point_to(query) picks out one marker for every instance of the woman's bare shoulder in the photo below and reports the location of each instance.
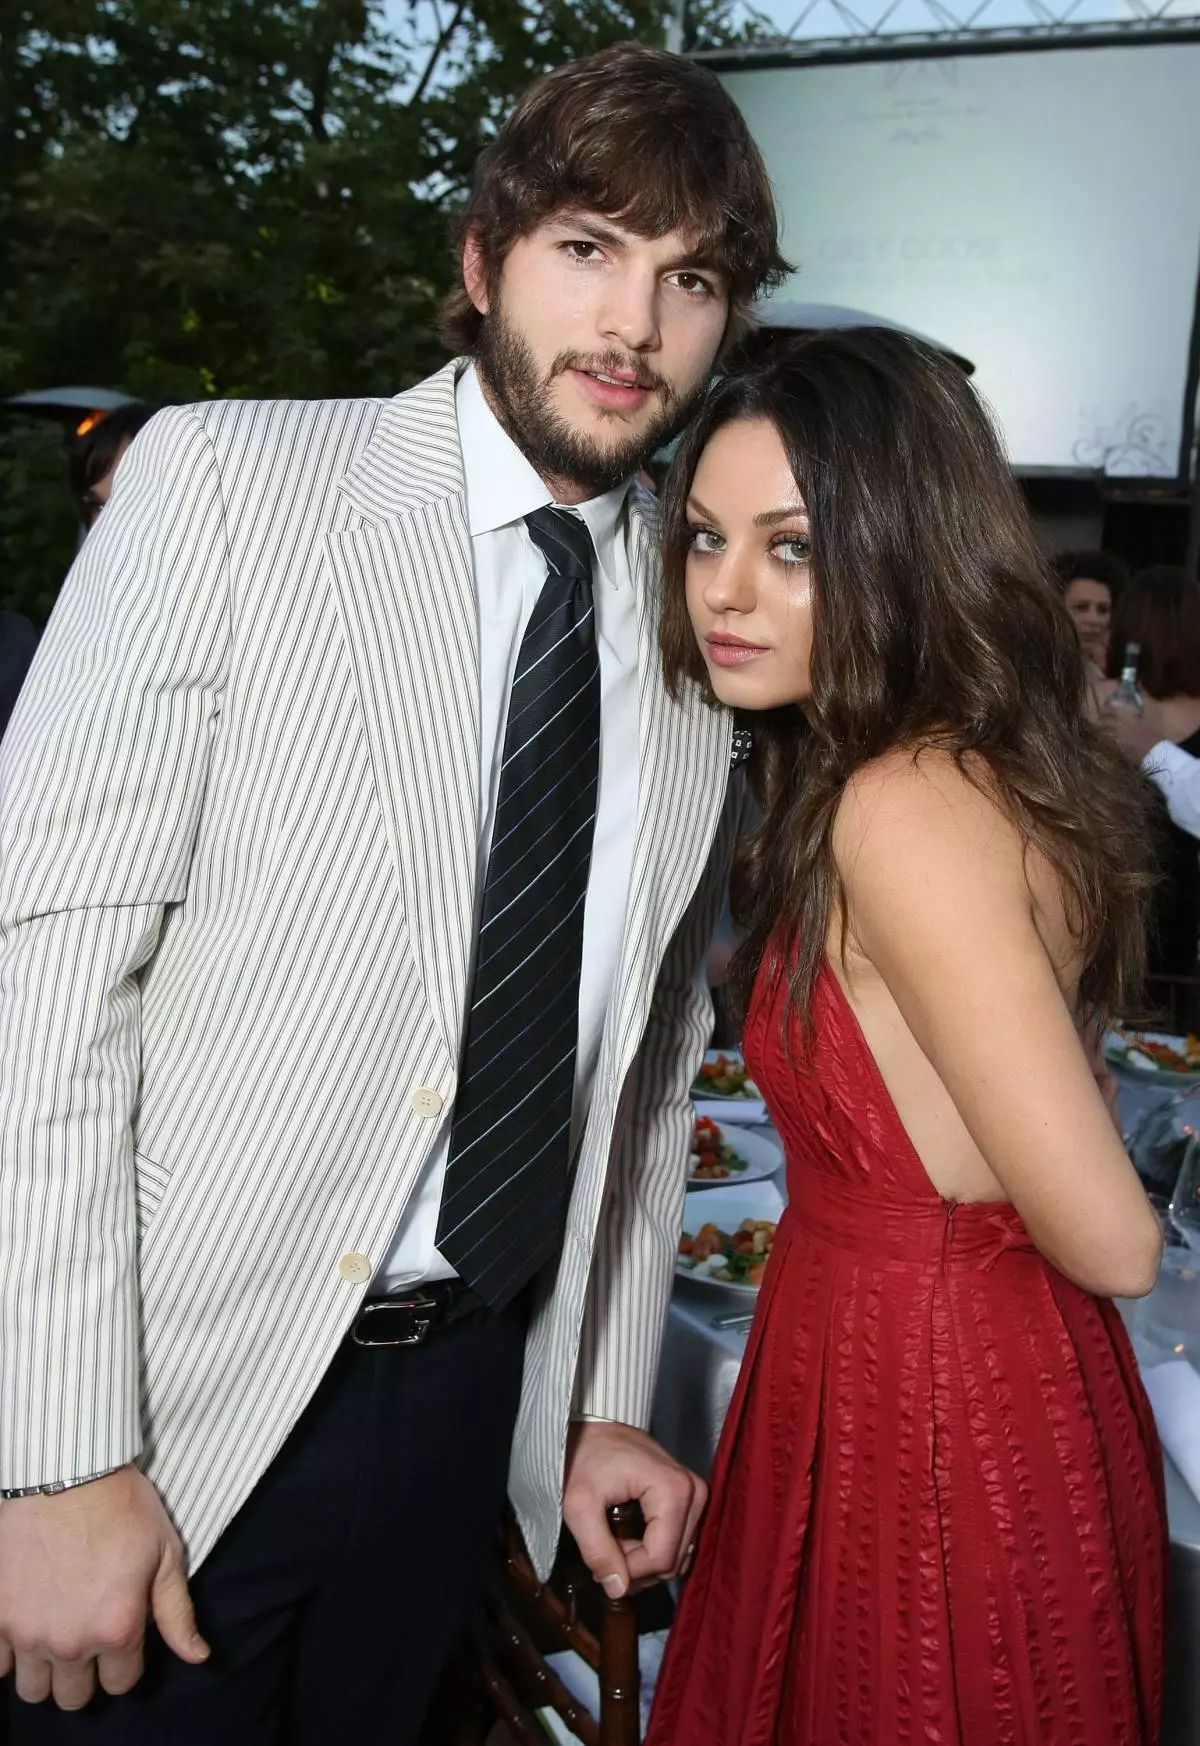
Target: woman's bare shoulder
(923, 801)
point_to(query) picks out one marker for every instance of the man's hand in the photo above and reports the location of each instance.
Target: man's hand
(1135, 734)
(610, 1464)
(79, 1572)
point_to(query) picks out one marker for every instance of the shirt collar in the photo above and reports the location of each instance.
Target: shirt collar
(502, 487)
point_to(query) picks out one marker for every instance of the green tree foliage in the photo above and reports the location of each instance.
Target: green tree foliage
(239, 197)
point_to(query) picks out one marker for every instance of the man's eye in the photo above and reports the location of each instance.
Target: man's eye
(582, 251)
(693, 284)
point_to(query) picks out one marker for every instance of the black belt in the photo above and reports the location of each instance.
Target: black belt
(407, 1318)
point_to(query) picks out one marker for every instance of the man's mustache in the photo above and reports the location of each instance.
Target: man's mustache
(614, 363)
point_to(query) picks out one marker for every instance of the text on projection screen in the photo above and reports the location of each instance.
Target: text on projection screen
(1037, 211)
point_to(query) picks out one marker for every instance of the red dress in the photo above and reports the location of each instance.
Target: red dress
(937, 1510)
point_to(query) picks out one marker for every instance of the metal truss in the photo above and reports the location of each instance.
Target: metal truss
(850, 27)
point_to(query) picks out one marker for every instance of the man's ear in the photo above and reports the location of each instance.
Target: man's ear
(474, 272)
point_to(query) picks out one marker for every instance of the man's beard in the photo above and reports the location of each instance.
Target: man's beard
(520, 398)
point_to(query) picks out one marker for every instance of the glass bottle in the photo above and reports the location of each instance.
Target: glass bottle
(1127, 696)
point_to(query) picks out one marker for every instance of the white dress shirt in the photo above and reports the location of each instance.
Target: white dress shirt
(502, 487)
(1177, 774)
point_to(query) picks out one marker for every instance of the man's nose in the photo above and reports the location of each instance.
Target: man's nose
(630, 315)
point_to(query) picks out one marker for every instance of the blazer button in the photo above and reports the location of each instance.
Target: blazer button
(356, 1269)
(427, 1101)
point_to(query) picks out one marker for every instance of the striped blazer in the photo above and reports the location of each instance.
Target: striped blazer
(238, 840)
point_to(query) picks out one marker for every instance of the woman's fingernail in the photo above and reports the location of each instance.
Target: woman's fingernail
(613, 1586)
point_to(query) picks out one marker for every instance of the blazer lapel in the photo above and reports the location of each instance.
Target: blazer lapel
(683, 776)
(405, 589)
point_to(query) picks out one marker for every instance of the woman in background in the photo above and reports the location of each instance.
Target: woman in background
(937, 1511)
(1091, 586)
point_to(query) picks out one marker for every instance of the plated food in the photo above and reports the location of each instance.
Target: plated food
(713, 1158)
(734, 1257)
(731, 1153)
(724, 1075)
(1153, 1052)
(728, 1235)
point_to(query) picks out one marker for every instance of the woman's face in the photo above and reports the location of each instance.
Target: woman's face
(1090, 606)
(749, 582)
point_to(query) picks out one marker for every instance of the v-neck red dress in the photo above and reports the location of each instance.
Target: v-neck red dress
(937, 1511)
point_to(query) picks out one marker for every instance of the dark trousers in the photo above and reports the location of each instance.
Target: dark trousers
(335, 1596)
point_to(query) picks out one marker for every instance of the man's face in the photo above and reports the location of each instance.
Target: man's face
(596, 345)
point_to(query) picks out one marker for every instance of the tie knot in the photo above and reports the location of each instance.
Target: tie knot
(563, 540)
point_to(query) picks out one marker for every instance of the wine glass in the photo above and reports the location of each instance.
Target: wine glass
(1183, 1211)
(1159, 1143)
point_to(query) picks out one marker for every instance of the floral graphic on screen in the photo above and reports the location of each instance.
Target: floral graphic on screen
(1134, 444)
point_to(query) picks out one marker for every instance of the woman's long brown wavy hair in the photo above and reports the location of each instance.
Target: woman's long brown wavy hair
(936, 623)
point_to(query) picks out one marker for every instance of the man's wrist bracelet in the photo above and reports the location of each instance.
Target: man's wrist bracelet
(54, 1487)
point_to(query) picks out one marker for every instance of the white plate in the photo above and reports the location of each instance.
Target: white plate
(728, 1109)
(1141, 1069)
(763, 1157)
(727, 1207)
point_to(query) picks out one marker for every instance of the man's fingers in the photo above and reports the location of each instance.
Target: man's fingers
(119, 1671)
(33, 1678)
(73, 1683)
(669, 1510)
(171, 1605)
(601, 1551)
(692, 1530)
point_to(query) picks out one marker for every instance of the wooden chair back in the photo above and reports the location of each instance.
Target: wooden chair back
(505, 1677)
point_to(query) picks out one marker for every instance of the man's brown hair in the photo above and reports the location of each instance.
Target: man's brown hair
(642, 136)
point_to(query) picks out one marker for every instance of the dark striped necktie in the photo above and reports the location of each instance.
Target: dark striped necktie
(504, 1202)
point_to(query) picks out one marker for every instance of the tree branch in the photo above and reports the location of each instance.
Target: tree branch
(436, 53)
(315, 113)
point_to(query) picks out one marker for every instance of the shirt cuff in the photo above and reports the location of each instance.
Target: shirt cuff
(1165, 760)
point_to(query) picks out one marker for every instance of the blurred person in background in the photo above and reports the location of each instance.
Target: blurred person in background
(1159, 610)
(18, 641)
(1174, 772)
(98, 451)
(1091, 582)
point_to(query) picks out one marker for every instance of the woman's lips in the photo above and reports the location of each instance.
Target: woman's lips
(731, 652)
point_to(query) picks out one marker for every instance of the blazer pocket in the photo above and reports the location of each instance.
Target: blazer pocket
(150, 1183)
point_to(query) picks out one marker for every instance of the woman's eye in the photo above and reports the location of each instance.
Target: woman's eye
(795, 549)
(703, 539)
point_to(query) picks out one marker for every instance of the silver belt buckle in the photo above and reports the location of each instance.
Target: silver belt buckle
(411, 1319)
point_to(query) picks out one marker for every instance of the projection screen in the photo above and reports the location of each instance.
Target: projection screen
(1035, 209)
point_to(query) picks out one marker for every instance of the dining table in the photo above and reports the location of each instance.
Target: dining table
(706, 1335)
